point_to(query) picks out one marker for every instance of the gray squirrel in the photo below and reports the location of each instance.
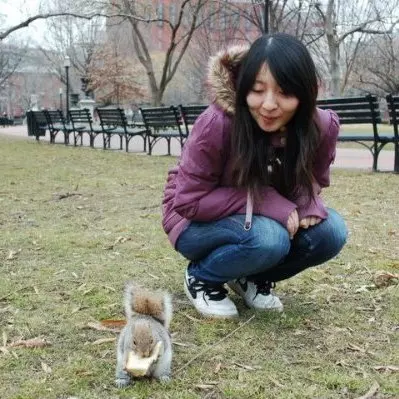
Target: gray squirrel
(144, 347)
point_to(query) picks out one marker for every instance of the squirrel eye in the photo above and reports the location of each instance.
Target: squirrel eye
(134, 342)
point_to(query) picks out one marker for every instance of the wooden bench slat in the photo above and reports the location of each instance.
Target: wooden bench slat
(113, 121)
(162, 123)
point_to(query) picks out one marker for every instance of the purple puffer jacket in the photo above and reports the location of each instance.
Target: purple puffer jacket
(200, 187)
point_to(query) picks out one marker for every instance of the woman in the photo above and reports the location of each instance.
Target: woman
(243, 203)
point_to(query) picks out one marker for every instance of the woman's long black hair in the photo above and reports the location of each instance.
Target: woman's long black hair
(294, 71)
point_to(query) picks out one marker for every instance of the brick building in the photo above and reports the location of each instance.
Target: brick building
(221, 24)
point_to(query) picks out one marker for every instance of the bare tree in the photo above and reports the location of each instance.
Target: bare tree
(10, 58)
(114, 77)
(377, 66)
(180, 26)
(345, 24)
(77, 39)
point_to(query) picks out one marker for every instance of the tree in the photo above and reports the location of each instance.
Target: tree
(78, 40)
(114, 77)
(377, 66)
(179, 27)
(346, 24)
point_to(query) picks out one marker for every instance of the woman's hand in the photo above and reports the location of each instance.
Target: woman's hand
(309, 221)
(293, 223)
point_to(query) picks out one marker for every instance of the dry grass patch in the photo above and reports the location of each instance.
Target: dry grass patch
(76, 223)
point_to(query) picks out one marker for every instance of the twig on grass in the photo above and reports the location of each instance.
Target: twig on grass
(208, 347)
(65, 195)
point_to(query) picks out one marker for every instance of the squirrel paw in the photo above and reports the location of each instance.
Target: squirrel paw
(164, 379)
(122, 382)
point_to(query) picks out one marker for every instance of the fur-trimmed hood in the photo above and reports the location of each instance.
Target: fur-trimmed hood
(222, 75)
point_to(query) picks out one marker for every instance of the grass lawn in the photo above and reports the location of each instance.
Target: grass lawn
(76, 223)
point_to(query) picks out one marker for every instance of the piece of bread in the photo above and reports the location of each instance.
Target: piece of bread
(139, 366)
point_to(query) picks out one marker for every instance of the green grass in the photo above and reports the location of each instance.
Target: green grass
(64, 261)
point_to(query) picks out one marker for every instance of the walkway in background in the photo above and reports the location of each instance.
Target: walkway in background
(351, 158)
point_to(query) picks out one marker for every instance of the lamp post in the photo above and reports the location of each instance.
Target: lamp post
(67, 64)
(266, 14)
(60, 92)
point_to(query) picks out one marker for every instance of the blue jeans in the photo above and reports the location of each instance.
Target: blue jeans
(222, 250)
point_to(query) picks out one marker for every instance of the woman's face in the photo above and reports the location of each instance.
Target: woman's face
(271, 108)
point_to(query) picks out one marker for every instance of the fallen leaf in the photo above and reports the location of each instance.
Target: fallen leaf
(100, 327)
(103, 341)
(81, 287)
(276, 382)
(13, 254)
(30, 343)
(153, 276)
(217, 368)
(88, 291)
(113, 323)
(363, 288)
(192, 318)
(181, 344)
(4, 350)
(356, 348)
(246, 367)
(46, 368)
(384, 279)
(387, 368)
(208, 385)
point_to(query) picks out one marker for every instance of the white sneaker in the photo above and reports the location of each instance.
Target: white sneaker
(210, 299)
(257, 295)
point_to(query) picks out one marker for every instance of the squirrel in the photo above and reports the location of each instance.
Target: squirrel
(144, 346)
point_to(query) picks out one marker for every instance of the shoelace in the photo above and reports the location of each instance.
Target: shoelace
(264, 287)
(214, 291)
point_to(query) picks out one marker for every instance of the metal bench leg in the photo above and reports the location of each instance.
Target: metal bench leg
(145, 143)
(120, 142)
(396, 155)
(168, 139)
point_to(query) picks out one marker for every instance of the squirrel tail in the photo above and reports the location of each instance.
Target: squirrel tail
(155, 304)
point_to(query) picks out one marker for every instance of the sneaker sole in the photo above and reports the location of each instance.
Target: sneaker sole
(205, 314)
(241, 293)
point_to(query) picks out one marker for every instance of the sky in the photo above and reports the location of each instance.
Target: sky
(15, 12)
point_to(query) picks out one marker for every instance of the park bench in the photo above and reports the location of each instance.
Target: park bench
(82, 122)
(393, 111)
(113, 122)
(36, 123)
(4, 121)
(57, 124)
(359, 110)
(190, 113)
(163, 123)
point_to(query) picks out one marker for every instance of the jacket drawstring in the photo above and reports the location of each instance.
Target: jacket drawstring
(248, 211)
